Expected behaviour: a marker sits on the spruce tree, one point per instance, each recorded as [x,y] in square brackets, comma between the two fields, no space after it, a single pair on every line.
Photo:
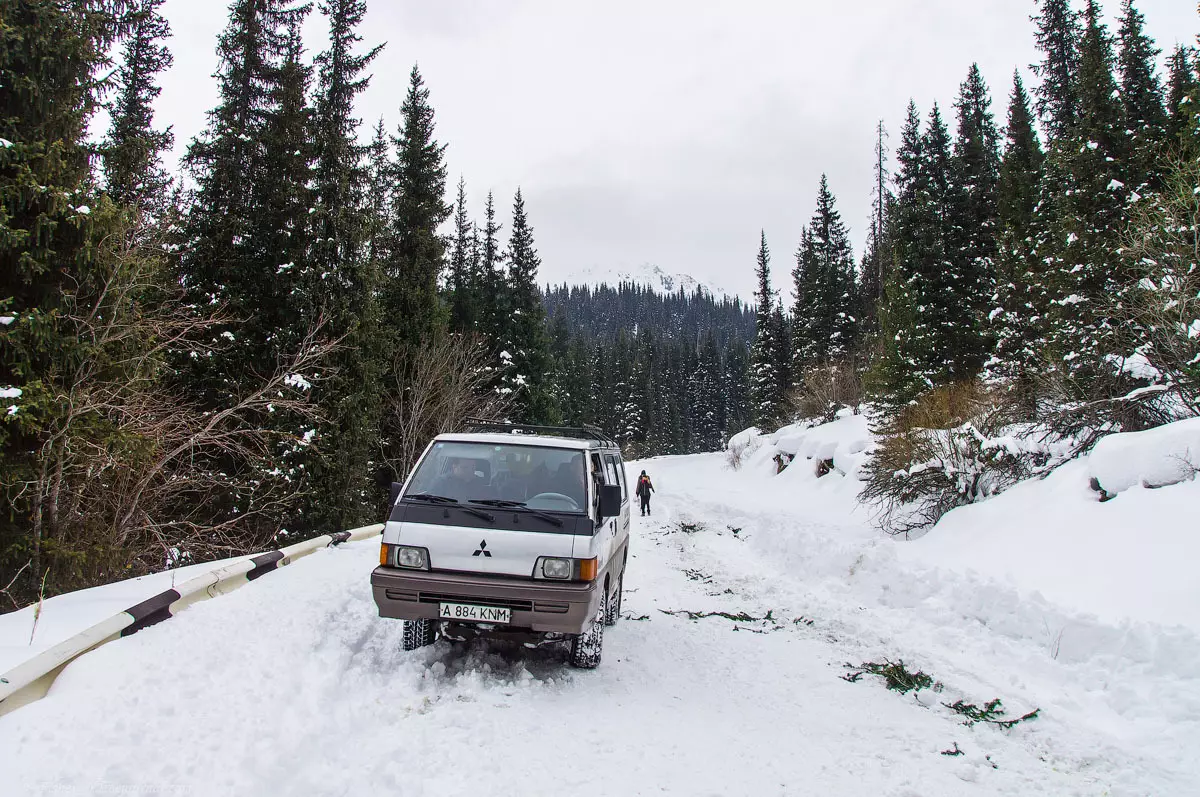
[704,397]
[53,224]
[493,298]
[975,174]
[411,305]
[378,201]
[132,150]
[344,221]
[223,261]
[899,374]
[1087,175]
[736,388]
[1142,98]
[932,332]
[874,263]
[766,395]
[526,341]
[1182,87]
[824,316]
[460,281]
[1019,316]
[1058,34]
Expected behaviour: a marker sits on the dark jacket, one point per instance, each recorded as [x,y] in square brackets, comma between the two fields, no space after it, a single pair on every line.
[644,487]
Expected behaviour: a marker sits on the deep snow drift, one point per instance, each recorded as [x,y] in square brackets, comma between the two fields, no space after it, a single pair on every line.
[1130,558]
[292,685]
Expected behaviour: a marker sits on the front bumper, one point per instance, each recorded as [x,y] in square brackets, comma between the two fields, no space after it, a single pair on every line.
[564,608]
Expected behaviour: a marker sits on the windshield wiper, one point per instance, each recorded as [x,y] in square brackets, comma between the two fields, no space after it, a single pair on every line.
[437,499]
[518,505]
[447,501]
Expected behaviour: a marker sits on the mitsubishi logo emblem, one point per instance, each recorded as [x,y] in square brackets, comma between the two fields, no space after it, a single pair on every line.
[483,550]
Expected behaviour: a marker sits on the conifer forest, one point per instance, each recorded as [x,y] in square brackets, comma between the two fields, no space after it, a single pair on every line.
[202,362]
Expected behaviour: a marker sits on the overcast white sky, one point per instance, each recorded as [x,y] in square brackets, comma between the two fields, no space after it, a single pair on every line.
[664,131]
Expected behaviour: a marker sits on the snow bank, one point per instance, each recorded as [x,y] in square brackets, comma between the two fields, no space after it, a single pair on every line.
[804,446]
[844,442]
[1153,458]
[1128,559]
[65,615]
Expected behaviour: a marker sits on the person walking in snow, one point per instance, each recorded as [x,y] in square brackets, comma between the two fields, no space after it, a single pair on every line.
[644,488]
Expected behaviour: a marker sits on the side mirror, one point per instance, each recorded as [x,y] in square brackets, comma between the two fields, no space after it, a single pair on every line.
[610,500]
[396,488]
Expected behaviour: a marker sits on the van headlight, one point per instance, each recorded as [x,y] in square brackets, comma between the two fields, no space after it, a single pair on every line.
[560,569]
[412,557]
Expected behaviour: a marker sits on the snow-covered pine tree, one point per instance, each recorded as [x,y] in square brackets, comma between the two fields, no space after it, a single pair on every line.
[1058,34]
[132,149]
[899,373]
[975,174]
[1142,97]
[704,397]
[1182,87]
[1018,319]
[735,384]
[824,316]
[345,219]
[525,340]
[1087,173]
[766,393]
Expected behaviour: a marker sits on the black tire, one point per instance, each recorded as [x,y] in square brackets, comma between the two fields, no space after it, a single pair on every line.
[586,647]
[419,633]
[613,611]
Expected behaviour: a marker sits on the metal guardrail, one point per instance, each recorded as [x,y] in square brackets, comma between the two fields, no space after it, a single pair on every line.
[31,680]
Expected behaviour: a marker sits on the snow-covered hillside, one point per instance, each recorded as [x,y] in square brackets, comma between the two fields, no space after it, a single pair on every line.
[1130,558]
[747,595]
[646,274]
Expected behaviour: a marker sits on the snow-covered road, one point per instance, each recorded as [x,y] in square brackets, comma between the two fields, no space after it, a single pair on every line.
[294,686]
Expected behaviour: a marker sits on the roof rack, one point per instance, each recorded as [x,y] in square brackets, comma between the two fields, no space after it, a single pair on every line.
[478,425]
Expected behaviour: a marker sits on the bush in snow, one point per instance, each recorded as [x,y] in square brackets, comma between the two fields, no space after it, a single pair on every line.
[942,451]
[741,446]
[824,390]
[1162,243]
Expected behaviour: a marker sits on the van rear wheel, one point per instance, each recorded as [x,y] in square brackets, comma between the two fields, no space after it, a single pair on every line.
[419,634]
[586,647]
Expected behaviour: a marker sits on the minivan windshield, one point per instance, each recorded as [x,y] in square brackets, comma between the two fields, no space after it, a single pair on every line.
[548,479]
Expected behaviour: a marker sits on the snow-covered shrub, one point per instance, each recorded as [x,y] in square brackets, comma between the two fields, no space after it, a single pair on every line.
[741,446]
[1161,245]
[825,390]
[947,449]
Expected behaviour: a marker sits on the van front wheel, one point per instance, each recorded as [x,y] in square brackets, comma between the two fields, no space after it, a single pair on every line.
[613,611]
[419,633]
[586,647]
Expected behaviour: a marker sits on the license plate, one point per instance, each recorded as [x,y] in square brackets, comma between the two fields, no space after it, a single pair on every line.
[478,614]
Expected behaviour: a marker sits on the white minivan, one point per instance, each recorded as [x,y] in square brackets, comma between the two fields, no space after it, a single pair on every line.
[509,531]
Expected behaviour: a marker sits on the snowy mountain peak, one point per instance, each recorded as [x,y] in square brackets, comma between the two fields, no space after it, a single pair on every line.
[648,274]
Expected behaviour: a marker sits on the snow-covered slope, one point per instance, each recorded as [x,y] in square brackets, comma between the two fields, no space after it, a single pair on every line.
[294,686]
[645,274]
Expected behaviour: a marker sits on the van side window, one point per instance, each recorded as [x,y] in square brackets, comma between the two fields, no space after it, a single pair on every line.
[616,473]
[612,473]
